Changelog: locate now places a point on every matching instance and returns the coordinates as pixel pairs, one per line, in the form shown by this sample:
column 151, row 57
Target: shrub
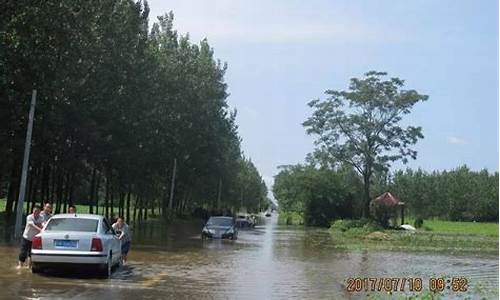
column 290, row 218
column 382, row 213
column 365, row 225
column 418, row 222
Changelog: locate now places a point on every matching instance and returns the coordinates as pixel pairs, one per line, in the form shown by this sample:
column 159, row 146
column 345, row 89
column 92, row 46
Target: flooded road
column 269, row 262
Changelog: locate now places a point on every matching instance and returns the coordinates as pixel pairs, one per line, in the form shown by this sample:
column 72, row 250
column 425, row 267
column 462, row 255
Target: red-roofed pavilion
column 389, row 200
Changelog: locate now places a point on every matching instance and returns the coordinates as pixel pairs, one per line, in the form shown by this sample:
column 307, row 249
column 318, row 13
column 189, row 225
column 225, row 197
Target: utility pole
column 24, row 174
column 172, row 184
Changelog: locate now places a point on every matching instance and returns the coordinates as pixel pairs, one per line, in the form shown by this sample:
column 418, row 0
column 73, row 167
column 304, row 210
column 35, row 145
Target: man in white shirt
column 33, row 227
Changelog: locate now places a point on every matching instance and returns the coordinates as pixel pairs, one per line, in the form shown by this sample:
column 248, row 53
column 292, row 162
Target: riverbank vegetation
column 126, row 117
column 290, row 218
column 365, row 235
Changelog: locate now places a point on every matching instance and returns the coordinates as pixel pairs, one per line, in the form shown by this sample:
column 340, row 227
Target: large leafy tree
column 361, row 126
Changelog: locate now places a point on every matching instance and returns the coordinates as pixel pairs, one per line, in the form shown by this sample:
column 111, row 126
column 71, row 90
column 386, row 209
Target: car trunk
column 68, row 241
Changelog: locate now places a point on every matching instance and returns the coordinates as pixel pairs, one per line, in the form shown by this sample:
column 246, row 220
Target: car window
column 220, row 222
column 106, row 227
column 72, row 224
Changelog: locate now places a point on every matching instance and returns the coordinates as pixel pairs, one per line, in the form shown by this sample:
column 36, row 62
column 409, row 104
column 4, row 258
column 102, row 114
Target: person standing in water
column 33, row 227
column 122, row 229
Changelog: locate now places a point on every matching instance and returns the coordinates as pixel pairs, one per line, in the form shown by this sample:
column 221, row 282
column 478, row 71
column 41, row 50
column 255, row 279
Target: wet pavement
column 269, row 262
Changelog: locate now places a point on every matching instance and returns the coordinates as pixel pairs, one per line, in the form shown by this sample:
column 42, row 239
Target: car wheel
column 106, row 269
column 36, row 269
column 120, row 262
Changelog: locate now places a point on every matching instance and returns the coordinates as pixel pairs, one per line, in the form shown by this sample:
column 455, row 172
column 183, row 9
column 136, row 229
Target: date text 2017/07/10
column 403, row 284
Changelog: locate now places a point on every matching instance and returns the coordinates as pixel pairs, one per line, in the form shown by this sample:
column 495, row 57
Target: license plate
column 66, row 243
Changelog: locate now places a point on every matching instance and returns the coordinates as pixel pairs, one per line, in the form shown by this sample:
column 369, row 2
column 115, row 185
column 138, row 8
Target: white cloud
column 456, row 140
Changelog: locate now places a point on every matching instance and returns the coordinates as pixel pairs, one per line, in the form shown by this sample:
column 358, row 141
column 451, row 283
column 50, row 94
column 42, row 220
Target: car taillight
column 96, row 245
column 36, row 243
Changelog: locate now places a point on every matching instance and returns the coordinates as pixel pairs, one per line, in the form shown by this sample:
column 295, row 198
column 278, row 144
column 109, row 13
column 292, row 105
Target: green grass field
column 456, row 227
column 434, row 236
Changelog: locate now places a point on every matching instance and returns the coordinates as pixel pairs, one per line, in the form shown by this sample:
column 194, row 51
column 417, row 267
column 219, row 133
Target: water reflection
column 269, row 262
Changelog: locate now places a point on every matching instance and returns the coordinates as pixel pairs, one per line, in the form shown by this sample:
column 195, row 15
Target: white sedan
column 76, row 240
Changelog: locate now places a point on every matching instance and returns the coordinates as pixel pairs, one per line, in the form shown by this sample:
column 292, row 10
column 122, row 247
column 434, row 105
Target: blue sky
column 283, row 53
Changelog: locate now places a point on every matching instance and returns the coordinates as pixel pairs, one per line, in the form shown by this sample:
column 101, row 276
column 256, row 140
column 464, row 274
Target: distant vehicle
column 268, row 214
column 245, row 221
column 220, row 228
column 76, row 240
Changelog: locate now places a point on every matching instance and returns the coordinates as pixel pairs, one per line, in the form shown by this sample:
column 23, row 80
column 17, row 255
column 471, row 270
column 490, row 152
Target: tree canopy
column 362, row 127
column 117, row 103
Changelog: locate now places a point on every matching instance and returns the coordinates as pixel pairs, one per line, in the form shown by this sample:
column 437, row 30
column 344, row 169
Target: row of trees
column 120, row 110
column 460, row 194
column 323, row 195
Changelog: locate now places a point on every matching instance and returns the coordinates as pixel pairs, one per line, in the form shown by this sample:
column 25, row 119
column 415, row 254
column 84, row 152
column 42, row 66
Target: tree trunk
column 128, row 203
column 111, row 198
column 152, row 207
column 44, row 189
column 145, row 206
column 139, row 213
column 106, row 197
column 91, row 192
column 29, row 194
column 121, row 204
column 59, row 195
column 135, row 207
column 38, row 180
column 367, row 198
column 13, row 187
column 52, row 180
column 96, row 195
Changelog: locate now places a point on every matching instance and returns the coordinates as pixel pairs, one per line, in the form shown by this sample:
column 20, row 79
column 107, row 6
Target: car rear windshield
column 220, row 222
column 72, row 224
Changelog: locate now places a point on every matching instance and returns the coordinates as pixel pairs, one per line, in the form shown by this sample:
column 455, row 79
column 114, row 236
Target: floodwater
column 269, row 262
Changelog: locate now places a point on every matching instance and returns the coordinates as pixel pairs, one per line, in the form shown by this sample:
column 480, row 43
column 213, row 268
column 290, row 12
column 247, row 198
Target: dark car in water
column 220, row 228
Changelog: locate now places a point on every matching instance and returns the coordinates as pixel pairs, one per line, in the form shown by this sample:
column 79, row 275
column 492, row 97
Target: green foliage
column 361, row 126
column 253, row 190
column 419, row 222
column 460, row 194
column 321, row 195
column 373, row 237
column 117, row 104
column 361, row 225
column 461, row 227
column 290, row 218
column 383, row 213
